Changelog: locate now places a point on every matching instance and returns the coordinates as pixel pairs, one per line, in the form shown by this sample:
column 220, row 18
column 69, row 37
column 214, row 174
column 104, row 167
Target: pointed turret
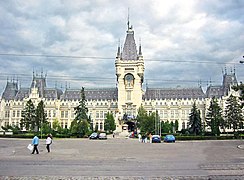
column 129, row 50
column 118, row 52
column 140, row 53
column 10, row 90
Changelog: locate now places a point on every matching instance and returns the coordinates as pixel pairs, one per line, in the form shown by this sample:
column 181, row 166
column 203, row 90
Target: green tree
column 80, row 125
column 46, row 128
column 41, row 116
column 233, row 113
column 79, row 128
column 81, row 110
column 195, row 123
column 176, row 125
column 28, row 116
column 56, row 125
column 141, row 116
column 214, row 117
column 240, row 88
column 148, row 124
column 145, row 122
column 109, row 123
column 166, row 127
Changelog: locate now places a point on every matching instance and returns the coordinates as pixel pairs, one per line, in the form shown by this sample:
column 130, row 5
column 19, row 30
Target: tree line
column 215, row 120
column 35, row 119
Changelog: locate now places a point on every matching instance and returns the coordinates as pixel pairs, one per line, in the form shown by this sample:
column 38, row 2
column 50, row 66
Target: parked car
column 169, row 138
column 156, row 139
column 102, row 136
column 93, row 136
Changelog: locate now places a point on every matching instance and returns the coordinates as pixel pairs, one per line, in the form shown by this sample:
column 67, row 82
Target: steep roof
column 10, row 91
column 39, row 83
column 129, row 49
column 91, row 94
column 52, row 93
column 184, row 93
column 222, row 90
column 22, row 93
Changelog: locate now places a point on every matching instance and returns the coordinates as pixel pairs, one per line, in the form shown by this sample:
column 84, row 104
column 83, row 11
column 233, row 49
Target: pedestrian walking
column 139, row 137
column 150, row 137
column 35, row 143
column 48, row 142
column 143, row 138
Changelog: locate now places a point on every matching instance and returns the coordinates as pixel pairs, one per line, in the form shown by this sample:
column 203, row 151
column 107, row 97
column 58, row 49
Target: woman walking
column 48, row 142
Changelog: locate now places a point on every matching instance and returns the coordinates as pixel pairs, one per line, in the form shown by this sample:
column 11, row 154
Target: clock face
column 129, row 77
column 129, row 80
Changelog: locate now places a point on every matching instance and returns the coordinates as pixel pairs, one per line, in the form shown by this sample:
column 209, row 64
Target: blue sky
column 183, row 42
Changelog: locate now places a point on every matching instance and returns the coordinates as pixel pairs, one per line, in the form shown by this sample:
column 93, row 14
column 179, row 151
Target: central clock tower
column 129, row 66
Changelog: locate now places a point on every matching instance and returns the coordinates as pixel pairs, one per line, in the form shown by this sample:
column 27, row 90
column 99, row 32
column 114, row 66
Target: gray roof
column 91, row 94
column 52, row 93
column 10, row 91
column 215, row 91
column 40, row 84
column 22, row 93
column 129, row 49
column 185, row 93
column 222, row 90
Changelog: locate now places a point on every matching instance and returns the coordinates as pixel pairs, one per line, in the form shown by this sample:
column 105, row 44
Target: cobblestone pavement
column 122, row 159
column 219, row 177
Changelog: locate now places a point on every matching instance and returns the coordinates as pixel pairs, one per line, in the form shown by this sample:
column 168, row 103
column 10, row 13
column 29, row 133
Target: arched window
column 183, row 125
column 101, row 126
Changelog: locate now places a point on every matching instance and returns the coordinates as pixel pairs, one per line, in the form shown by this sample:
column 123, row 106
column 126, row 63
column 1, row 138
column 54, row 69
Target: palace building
column 171, row 104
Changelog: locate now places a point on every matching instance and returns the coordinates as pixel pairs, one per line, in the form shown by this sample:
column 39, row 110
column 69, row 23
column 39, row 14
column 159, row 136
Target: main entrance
column 131, row 126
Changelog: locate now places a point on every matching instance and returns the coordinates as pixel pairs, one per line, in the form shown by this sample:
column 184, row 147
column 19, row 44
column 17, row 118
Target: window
column 13, row 113
column 172, row 114
column 128, row 95
column 66, row 114
column 18, row 113
column 6, row 114
column 183, row 125
column 166, row 114
column 49, row 114
column 101, row 114
column 101, row 126
column 176, row 113
column 62, row 114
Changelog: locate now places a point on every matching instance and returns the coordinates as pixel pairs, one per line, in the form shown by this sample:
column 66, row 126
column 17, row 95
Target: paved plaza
column 120, row 158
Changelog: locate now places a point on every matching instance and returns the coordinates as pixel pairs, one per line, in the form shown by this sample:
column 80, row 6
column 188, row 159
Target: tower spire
column 118, row 53
column 140, row 52
column 128, row 20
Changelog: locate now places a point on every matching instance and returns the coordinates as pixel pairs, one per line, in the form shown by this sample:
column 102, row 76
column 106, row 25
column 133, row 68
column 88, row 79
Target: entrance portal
column 131, row 126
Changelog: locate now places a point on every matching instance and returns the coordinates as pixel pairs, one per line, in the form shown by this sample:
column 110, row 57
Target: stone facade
column 125, row 99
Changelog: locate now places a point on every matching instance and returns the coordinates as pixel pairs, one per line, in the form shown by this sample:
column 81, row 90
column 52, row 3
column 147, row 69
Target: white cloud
column 175, row 30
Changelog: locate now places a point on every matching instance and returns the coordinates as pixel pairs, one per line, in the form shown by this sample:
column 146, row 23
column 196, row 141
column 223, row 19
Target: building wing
column 184, row 93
